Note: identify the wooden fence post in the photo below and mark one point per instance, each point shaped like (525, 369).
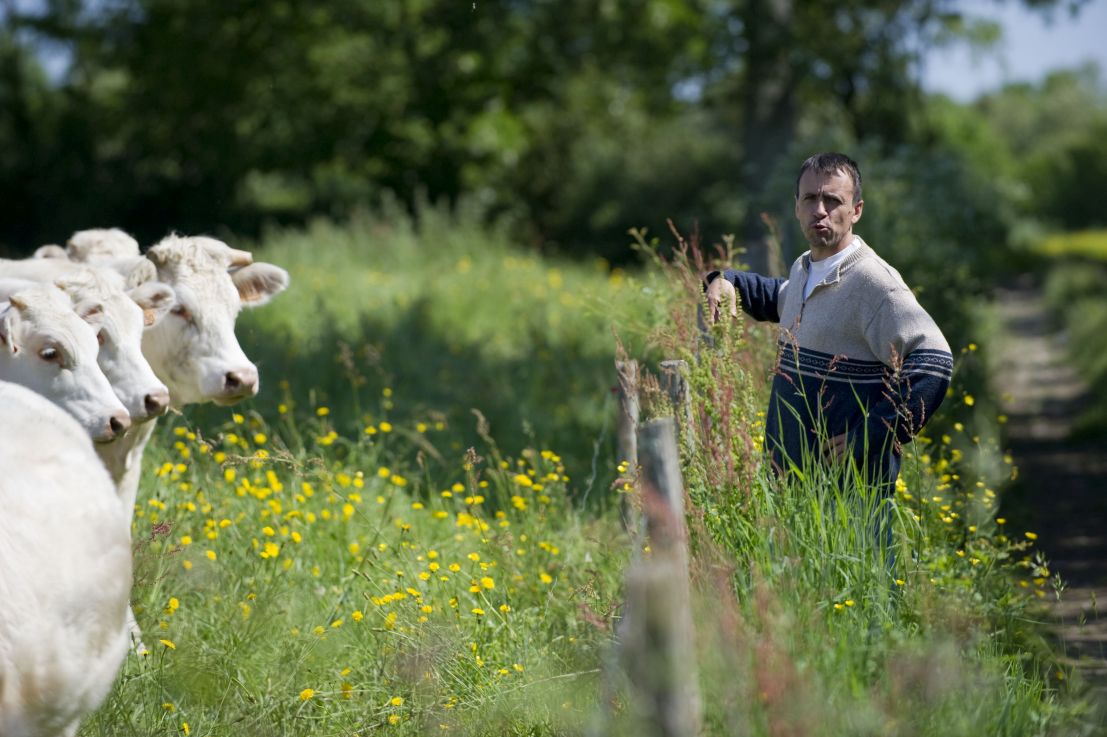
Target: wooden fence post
(657, 636)
(674, 381)
(626, 438)
(626, 432)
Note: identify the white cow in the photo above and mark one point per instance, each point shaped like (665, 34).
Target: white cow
(65, 567)
(49, 345)
(194, 349)
(126, 312)
(96, 244)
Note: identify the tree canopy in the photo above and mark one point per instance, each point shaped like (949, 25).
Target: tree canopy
(571, 119)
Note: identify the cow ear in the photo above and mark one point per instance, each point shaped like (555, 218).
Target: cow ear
(155, 298)
(7, 327)
(135, 270)
(230, 258)
(50, 251)
(91, 312)
(239, 258)
(258, 283)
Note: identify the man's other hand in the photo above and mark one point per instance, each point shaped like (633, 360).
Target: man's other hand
(720, 296)
(836, 448)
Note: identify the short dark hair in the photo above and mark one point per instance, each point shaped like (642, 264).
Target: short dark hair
(830, 162)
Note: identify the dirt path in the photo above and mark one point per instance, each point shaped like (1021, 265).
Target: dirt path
(1061, 491)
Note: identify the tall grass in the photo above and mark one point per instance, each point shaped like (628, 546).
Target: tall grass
(808, 622)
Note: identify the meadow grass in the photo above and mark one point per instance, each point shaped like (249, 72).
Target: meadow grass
(360, 553)
(450, 317)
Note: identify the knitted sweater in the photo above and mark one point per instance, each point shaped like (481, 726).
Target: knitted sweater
(859, 356)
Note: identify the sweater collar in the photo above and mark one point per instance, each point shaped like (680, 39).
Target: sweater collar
(862, 251)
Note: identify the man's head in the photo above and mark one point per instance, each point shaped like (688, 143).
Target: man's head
(828, 202)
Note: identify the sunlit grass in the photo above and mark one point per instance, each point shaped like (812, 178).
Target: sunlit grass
(336, 587)
(1090, 244)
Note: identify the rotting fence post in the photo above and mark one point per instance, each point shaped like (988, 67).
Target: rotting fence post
(674, 380)
(626, 428)
(658, 641)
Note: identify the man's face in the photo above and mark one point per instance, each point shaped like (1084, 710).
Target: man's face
(826, 211)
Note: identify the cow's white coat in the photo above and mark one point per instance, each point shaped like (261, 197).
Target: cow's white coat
(65, 570)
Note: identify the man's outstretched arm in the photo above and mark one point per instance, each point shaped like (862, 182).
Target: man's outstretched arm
(760, 295)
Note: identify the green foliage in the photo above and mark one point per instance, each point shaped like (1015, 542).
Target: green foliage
(575, 120)
(1054, 134)
(198, 115)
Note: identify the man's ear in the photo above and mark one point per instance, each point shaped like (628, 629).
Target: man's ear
(857, 208)
(259, 282)
(155, 298)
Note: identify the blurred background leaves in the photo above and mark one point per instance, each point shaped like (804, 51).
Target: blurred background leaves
(572, 120)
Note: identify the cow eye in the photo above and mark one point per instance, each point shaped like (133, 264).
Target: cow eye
(50, 355)
(182, 312)
(101, 337)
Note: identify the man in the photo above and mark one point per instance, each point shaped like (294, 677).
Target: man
(861, 366)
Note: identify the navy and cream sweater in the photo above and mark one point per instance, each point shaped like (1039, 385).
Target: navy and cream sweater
(859, 356)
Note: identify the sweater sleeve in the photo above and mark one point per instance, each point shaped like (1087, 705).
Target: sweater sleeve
(910, 344)
(759, 295)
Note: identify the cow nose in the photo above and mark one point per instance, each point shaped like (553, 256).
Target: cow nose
(241, 381)
(156, 402)
(118, 424)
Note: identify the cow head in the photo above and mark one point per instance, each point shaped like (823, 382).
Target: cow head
(48, 344)
(100, 244)
(126, 314)
(194, 349)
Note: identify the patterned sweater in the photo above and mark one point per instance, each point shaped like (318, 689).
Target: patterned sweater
(859, 356)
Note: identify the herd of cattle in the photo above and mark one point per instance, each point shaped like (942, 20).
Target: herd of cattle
(96, 341)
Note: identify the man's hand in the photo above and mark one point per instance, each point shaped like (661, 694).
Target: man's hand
(720, 296)
(836, 448)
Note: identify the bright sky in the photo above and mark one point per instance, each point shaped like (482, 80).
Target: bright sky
(1032, 45)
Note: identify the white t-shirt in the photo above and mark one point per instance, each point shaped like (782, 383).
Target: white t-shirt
(819, 270)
